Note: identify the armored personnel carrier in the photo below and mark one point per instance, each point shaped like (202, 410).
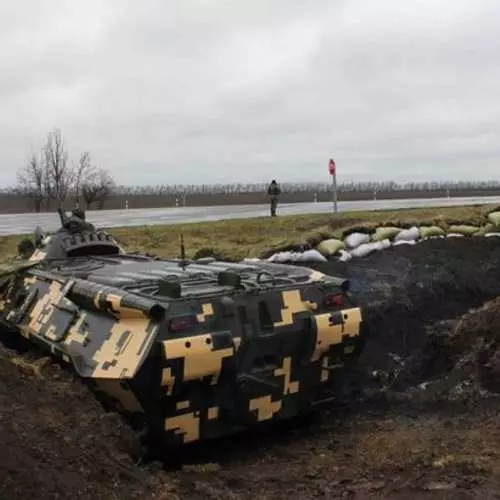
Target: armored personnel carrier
(189, 349)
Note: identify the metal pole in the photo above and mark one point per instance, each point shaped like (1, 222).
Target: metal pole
(334, 193)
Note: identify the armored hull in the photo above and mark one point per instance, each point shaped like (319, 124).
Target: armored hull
(191, 350)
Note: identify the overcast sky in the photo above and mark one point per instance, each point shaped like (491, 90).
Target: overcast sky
(174, 91)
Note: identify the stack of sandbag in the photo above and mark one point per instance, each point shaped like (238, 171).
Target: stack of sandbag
(367, 248)
(358, 244)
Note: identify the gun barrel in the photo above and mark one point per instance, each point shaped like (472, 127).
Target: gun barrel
(107, 298)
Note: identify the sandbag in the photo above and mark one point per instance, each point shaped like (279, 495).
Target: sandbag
(455, 235)
(330, 247)
(307, 256)
(310, 256)
(494, 218)
(364, 249)
(280, 257)
(489, 235)
(411, 234)
(356, 239)
(385, 233)
(431, 231)
(465, 229)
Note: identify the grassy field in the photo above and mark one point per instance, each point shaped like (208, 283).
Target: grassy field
(257, 237)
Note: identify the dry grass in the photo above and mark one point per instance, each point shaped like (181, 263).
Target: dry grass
(237, 239)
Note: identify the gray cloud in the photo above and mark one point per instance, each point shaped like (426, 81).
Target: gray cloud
(203, 91)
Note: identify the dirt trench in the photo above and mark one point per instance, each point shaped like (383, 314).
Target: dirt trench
(426, 426)
(412, 296)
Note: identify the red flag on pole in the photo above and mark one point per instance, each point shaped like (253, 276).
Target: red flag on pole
(331, 167)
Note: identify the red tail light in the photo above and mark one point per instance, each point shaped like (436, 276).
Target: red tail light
(335, 300)
(182, 323)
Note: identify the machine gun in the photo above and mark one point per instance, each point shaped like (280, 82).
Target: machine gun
(75, 223)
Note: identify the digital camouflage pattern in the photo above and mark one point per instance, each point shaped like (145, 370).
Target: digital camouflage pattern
(190, 350)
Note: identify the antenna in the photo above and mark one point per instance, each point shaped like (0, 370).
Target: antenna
(183, 252)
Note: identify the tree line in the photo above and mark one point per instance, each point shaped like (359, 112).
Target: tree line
(303, 187)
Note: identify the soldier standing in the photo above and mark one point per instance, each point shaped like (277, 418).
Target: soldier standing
(273, 192)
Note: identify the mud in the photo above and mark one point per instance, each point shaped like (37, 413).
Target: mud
(424, 421)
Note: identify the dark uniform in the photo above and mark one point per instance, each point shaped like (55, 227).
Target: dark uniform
(273, 192)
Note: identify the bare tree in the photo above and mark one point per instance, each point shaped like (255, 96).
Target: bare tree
(31, 182)
(60, 175)
(84, 175)
(97, 188)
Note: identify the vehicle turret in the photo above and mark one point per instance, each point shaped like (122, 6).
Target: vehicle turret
(75, 238)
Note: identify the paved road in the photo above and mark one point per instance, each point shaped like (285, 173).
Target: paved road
(25, 223)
